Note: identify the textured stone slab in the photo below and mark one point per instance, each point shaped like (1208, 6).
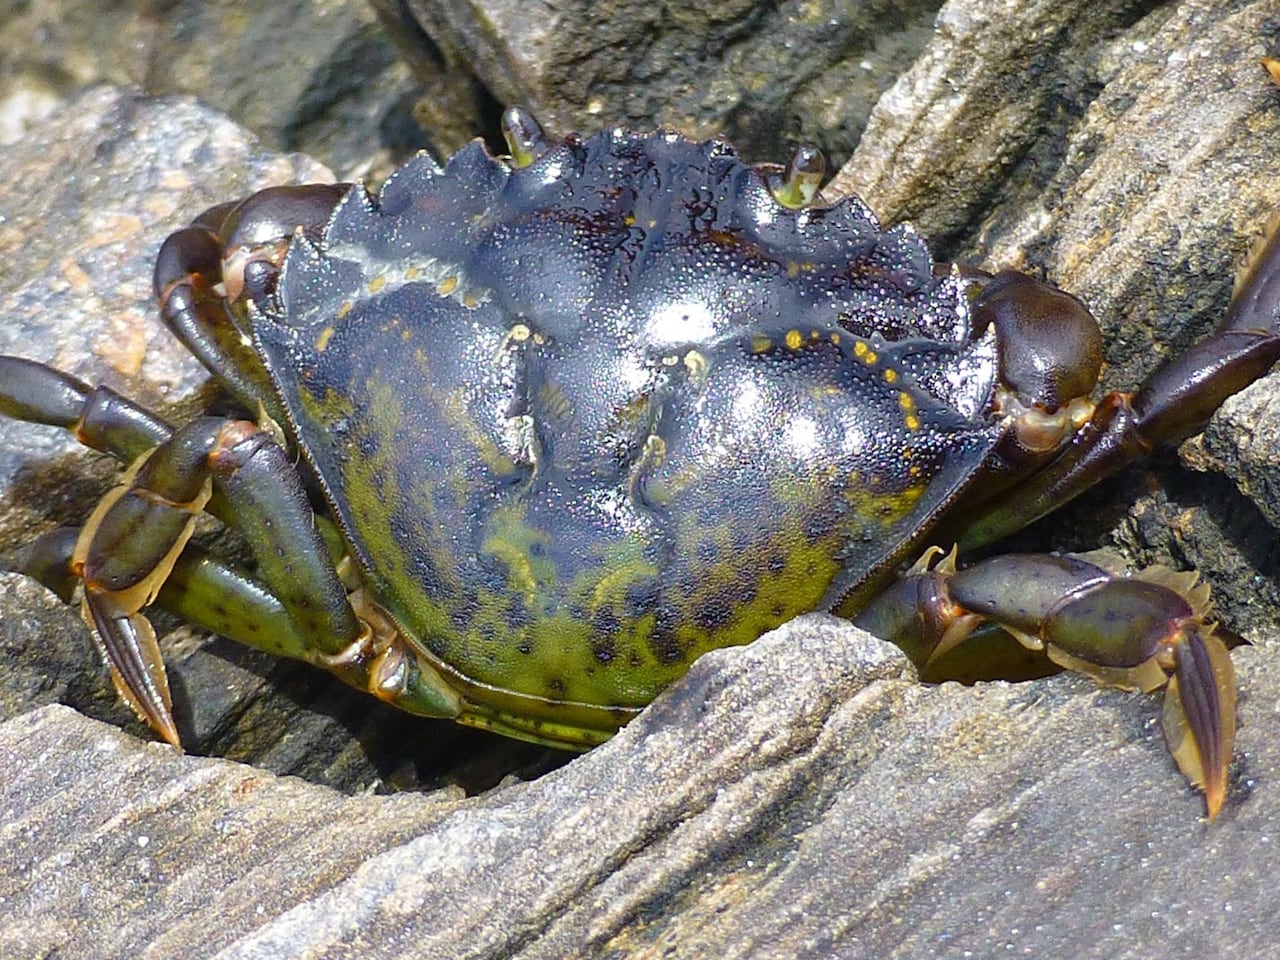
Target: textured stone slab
(800, 797)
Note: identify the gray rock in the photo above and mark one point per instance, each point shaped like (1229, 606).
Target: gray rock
(768, 76)
(313, 75)
(801, 797)
(1243, 441)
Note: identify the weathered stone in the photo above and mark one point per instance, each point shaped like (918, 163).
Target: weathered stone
(799, 797)
(767, 76)
(313, 75)
(1243, 441)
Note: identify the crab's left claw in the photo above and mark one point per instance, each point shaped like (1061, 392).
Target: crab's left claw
(1200, 712)
(1136, 631)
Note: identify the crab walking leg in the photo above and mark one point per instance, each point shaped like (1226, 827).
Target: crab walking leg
(200, 589)
(1138, 632)
(98, 417)
(131, 545)
(1175, 403)
(223, 599)
(230, 250)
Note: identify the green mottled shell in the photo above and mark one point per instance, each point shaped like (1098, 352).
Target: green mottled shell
(584, 420)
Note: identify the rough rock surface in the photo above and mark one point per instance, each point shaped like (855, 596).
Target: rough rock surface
(801, 797)
(768, 76)
(313, 75)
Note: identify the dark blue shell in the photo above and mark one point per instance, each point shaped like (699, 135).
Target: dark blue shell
(585, 419)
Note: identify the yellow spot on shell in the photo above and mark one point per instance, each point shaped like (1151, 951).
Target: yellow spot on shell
(859, 349)
(761, 344)
(794, 339)
(377, 283)
(913, 422)
(906, 401)
(344, 308)
(835, 338)
(890, 376)
(520, 333)
(322, 341)
(696, 364)
(447, 286)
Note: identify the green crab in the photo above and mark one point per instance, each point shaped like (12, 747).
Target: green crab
(526, 435)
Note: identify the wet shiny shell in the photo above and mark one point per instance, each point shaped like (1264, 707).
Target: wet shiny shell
(586, 419)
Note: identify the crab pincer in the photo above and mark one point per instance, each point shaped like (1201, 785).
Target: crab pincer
(1141, 632)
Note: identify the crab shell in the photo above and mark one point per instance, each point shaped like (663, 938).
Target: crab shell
(585, 419)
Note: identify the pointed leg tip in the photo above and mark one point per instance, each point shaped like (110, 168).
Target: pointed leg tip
(1215, 789)
(1214, 797)
(1200, 715)
(135, 662)
(167, 730)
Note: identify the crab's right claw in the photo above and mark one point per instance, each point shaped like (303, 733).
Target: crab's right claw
(1200, 712)
(128, 643)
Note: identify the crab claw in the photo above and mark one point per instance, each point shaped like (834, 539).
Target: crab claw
(1139, 632)
(1199, 717)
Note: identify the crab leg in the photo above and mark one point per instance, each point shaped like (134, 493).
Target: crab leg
(229, 251)
(1137, 632)
(1175, 403)
(200, 589)
(98, 417)
(131, 545)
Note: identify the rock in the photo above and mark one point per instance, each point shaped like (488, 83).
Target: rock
(767, 76)
(304, 75)
(799, 797)
(1243, 441)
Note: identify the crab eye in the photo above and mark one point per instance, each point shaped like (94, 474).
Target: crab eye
(798, 184)
(524, 136)
(259, 278)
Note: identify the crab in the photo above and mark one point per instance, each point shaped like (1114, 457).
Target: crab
(526, 435)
